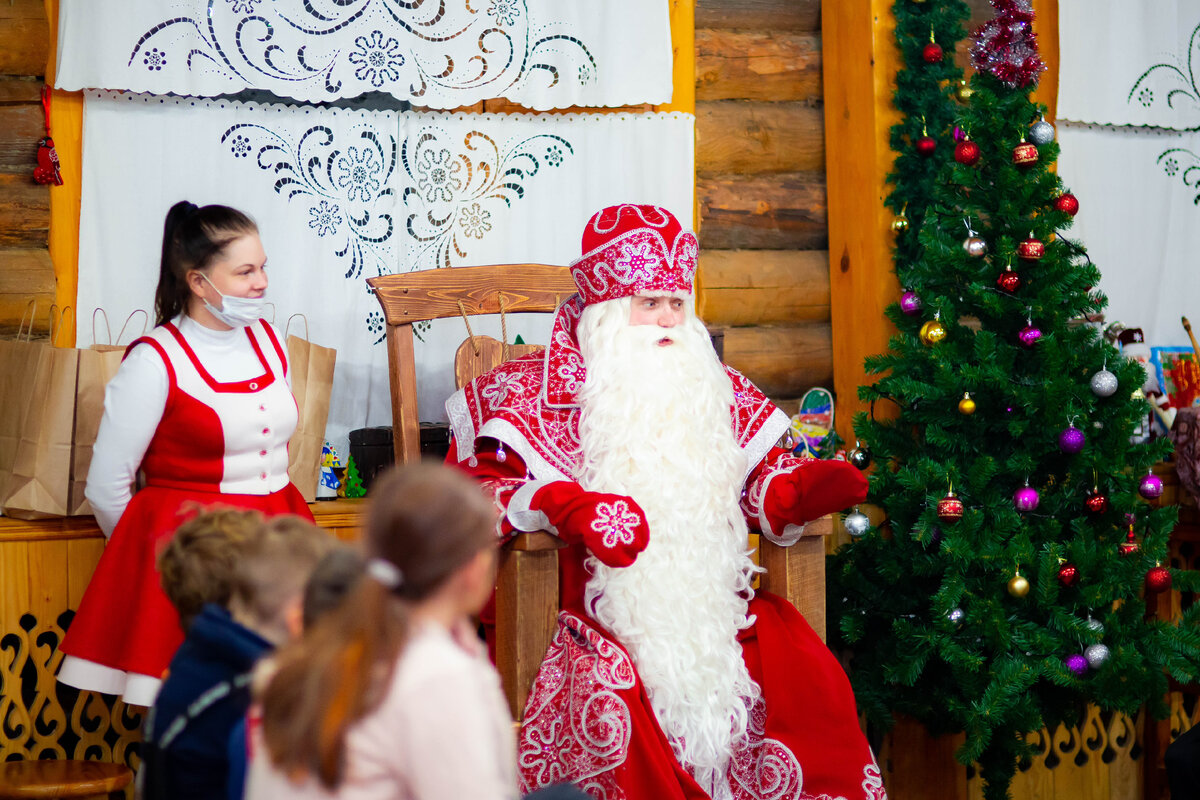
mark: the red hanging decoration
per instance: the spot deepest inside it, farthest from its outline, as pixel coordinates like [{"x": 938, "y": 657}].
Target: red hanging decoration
[
  {"x": 47, "y": 169},
  {"x": 1007, "y": 46}
]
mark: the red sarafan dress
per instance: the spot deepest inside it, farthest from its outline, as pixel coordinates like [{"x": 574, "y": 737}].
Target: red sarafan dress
[{"x": 216, "y": 444}]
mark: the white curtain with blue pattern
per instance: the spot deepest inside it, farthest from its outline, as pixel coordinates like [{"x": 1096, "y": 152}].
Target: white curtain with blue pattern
[
  {"x": 439, "y": 54},
  {"x": 340, "y": 196}
]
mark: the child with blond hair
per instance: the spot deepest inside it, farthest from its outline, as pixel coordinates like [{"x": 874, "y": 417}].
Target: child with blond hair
[{"x": 237, "y": 582}]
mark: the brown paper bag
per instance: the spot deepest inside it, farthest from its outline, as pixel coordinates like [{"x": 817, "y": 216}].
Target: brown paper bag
[
  {"x": 311, "y": 369},
  {"x": 37, "y": 418},
  {"x": 97, "y": 366}
]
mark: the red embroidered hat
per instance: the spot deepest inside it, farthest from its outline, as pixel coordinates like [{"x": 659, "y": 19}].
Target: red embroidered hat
[{"x": 630, "y": 250}]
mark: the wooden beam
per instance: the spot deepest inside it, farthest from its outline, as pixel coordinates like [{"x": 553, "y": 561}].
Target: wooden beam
[
  {"x": 782, "y": 360},
  {"x": 779, "y": 211},
  {"x": 683, "y": 58},
  {"x": 754, "y": 137},
  {"x": 763, "y": 287},
  {"x": 758, "y": 65},
  {"x": 24, "y": 39},
  {"x": 763, "y": 15},
  {"x": 66, "y": 126},
  {"x": 24, "y": 212},
  {"x": 1045, "y": 25},
  {"x": 860, "y": 62}
]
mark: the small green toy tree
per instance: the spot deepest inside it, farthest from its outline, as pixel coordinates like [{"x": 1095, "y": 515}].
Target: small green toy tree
[{"x": 352, "y": 481}]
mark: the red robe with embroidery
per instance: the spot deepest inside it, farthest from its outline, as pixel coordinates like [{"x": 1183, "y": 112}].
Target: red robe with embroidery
[{"x": 588, "y": 719}]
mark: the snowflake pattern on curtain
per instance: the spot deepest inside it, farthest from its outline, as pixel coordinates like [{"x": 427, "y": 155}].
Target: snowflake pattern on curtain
[
  {"x": 450, "y": 190},
  {"x": 453, "y": 188},
  {"x": 343, "y": 182},
  {"x": 1173, "y": 83},
  {"x": 417, "y": 50}
]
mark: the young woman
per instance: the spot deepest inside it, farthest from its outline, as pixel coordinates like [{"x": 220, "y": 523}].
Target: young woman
[
  {"x": 201, "y": 406},
  {"x": 390, "y": 695}
]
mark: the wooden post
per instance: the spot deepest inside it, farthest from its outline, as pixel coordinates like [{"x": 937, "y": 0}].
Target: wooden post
[
  {"x": 66, "y": 127},
  {"x": 860, "y": 61}
]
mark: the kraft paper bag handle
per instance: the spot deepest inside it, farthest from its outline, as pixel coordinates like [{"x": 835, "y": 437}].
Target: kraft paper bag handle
[
  {"x": 58, "y": 321},
  {"x": 288, "y": 326},
  {"x": 145, "y": 321},
  {"x": 104, "y": 315},
  {"x": 31, "y": 313}
]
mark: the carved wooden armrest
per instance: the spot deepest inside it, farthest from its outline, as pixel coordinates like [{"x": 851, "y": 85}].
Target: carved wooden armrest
[{"x": 797, "y": 572}]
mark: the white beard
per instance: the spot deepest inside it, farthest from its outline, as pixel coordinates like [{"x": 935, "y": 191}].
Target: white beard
[{"x": 656, "y": 425}]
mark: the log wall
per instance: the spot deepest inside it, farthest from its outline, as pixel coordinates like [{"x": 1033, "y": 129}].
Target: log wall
[
  {"x": 760, "y": 188},
  {"x": 25, "y": 269}
]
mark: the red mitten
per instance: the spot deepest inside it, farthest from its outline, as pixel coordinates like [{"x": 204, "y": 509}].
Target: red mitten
[
  {"x": 813, "y": 489},
  {"x": 612, "y": 526}
]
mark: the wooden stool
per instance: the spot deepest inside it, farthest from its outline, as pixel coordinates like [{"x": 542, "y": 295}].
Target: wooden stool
[{"x": 59, "y": 779}]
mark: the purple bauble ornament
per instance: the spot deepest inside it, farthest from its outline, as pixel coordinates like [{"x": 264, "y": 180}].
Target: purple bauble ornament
[
  {"x": 1026, "y": 498},
  {"x": 910, "y": 304},
  {"x": 959, "y": 134},
  {"x": 1029, "y": 335},
  {"x": 1151, "y": 486},
  {"x": 935, "y": 534},
  {"x": 1077, "y": 664},
  {"x": 1071, "y": 440}
]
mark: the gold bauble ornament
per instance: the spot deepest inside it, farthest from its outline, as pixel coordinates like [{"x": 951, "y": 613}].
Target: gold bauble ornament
[
  {"x": 900, "y": 224},
  {"x": 963, "y": 92},
  {"x": 1018, "y": 586},
  {"x": 966, "y": 405},
  {"x": 932, "y": 332}
]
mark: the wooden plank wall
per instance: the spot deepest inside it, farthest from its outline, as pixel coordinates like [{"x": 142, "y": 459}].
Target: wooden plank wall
[
  {"x": 760, "y": 187},
  {"x": 25, "y": 269}
]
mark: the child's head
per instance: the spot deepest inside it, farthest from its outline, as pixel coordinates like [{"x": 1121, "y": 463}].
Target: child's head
[
  {"x": 431, "y": 523},
  {"x": 430, "y": 542},
  {"x": 331, "y": 580},
  {"x": 197, "y": 565},
  {"x": 270, "y": 574}
]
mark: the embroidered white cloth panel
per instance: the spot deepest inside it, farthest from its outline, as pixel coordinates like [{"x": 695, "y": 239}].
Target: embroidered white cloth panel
[
  {"x": 1129, "y": 63},
  {"x": 440, "y": 54},
  {"x": 1139, "y": 218},
  {"x": 340, "y": 196}
]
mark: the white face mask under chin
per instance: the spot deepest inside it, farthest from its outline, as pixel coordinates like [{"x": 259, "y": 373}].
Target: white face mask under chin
[{"x": 236, "y": 312}]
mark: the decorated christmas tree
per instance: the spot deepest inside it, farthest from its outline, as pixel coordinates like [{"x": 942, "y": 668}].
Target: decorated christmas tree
[
  {"x": 352, "y": 485},
  {"x": 1005, "y": 590}
]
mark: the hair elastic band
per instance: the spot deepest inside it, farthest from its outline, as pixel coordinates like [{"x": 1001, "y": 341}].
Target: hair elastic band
[{"x": 385, "y": 572}]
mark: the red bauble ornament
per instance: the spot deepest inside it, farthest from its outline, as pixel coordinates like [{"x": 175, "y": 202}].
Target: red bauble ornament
[
  {"x": 926, "y": 145},
  {"x": 1031, "y": 249},
  {"x": 1158, "y": 579},
  {"x": 1067, "y": 203},
  {"x": 950, "y": 508},
  {"x": 967, "y": 153},
  {"x": 932, "y": 53},
  {"x": 1096, "y": 502},
  {"x": 1025, "y": 154},
  {"x": 1009, "y": 281},
  {"x": 1068, "y": 575}
]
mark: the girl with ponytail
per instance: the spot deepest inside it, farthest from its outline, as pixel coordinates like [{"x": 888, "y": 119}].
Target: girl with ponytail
[
  {"x": 201, "y": 407},
  {"x": 391, "y": 695}
]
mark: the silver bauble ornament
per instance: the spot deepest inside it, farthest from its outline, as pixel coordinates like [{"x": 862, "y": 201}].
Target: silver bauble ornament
[
  {"x": 860, "y": 457},
  {"x": 1095, "y": 626},
  {"x": 1041, "y": 132},
  {"x": 1104, "y": 383},
  {"x": 955, "y": 615},
  {"x": 975, "y": 246},
  {"x": 857, "y": 523},
  {"x": 1096, "y": 655}
]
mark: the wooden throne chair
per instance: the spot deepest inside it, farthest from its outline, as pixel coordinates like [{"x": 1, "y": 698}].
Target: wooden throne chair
[{"x": 527, "y": 583}]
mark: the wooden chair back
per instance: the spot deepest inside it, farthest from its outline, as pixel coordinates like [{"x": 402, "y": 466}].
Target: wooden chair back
[{"x": 437, "y": 293}]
